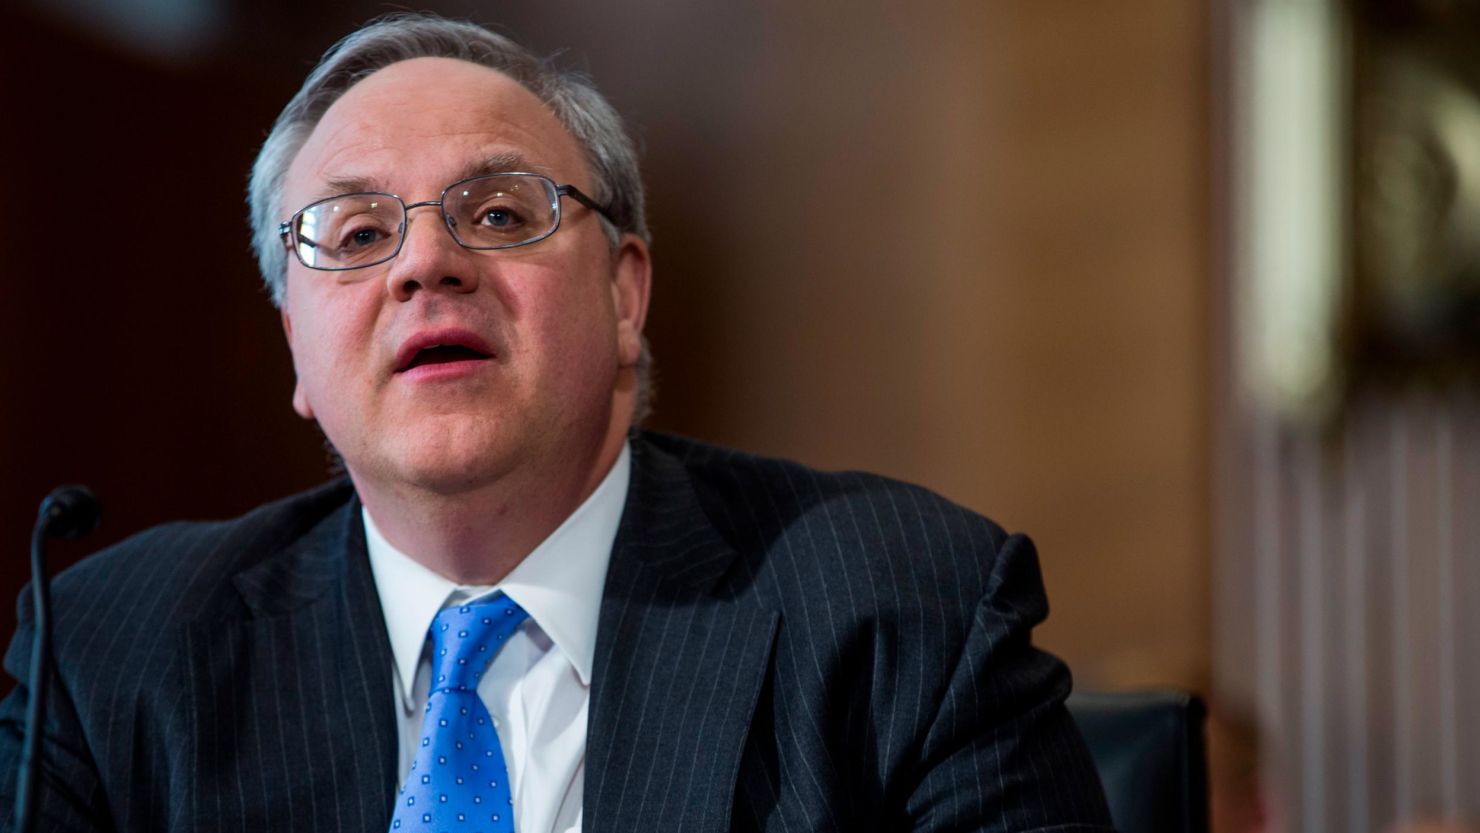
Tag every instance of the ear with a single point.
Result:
(300, 397)
(632, 276)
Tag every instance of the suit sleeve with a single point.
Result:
(69, 793)
(1002, 752)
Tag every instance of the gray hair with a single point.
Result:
(575, 101)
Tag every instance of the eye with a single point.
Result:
(360, 238)
(501, 217)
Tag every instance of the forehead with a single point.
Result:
(414, 126)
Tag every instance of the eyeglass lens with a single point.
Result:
(489, 212)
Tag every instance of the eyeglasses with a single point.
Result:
(498, 211)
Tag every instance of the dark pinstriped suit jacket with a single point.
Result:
(778, 649)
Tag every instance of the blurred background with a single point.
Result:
(1186, 289)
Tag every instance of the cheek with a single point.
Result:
(330, 344)
(583, 330)
(564, 310)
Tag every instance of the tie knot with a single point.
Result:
(466, 638)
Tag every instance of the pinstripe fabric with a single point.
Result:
(778, 649)
(227, 676)
(786, 650)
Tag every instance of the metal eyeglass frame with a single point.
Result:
(290, 238)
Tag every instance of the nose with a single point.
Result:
(430, 259)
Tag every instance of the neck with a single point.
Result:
(479, 535)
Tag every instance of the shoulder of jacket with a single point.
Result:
(856, 506)
(186, 554)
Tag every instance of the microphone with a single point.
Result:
(68, 512)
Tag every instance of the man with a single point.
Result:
(520, 612)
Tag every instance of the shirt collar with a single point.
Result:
(559, 583)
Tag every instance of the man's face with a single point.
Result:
(559, 321)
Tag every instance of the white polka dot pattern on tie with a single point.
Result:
(459, 768)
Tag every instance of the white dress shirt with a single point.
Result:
(538, 688)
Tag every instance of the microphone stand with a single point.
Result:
(68, 512)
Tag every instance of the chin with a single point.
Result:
(444, 459)
(455, 469)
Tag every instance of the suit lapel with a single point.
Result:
(293, 704)
(678, 667)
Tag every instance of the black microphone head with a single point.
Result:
(70, 511)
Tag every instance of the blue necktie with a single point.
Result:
(459, 781)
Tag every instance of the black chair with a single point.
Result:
(1150, 751)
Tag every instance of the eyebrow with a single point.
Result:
(500, 163)
(497, 163)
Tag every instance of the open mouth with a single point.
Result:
(444, 354)
(446, 347)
